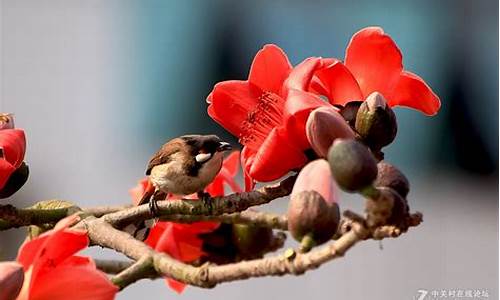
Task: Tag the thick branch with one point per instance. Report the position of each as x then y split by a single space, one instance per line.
101 233
252 217
111 266
218 205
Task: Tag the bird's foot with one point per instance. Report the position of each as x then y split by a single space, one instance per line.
207 200
153 207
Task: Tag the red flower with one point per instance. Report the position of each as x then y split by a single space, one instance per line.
179 240
373 62
12 149
254 111
52 271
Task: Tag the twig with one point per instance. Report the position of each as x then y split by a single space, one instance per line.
143 268
258 218
110 266
12 217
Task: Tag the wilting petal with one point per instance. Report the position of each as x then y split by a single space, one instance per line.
81 282
317 176
231 102
269 69
412 91
11 280
13 144
323 126
374 60
301 75
275 158
6 169
338 83
298 106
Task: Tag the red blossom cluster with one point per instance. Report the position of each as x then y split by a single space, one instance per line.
268 112
283 116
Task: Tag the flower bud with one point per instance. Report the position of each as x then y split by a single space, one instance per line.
11 280
392 177
323 126
353 165
310 214
15 182
376 122
251 241
6 121
387 208
349 112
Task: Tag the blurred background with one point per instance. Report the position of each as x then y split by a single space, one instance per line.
100 85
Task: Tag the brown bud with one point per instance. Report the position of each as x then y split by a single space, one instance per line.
392 177
323 126
387 208
309 214
349 112
353 165
376 122
15 181
11 280
251 241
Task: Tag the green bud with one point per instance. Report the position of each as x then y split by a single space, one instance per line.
251 241
15 181
353 165
375 122
310 215
392 177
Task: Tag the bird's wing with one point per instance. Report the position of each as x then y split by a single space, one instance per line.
164 154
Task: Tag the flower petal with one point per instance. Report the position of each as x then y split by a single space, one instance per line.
11 280
247 159
298 106
338 83
374 60
301 75
61 282
177 286
316 176
232 163
275 158
269 69
231 102
13 143
412 91
6 169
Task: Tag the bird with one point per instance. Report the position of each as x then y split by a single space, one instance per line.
182 166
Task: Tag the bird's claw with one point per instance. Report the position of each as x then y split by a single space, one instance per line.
207 200
153 207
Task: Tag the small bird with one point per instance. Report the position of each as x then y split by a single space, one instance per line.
183 166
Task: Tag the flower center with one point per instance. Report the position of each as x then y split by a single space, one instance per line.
266 115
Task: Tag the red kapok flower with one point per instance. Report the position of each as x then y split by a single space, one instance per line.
52 271
373 62
181 241
253 110
12 149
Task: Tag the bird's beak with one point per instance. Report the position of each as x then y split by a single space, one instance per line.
223 146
